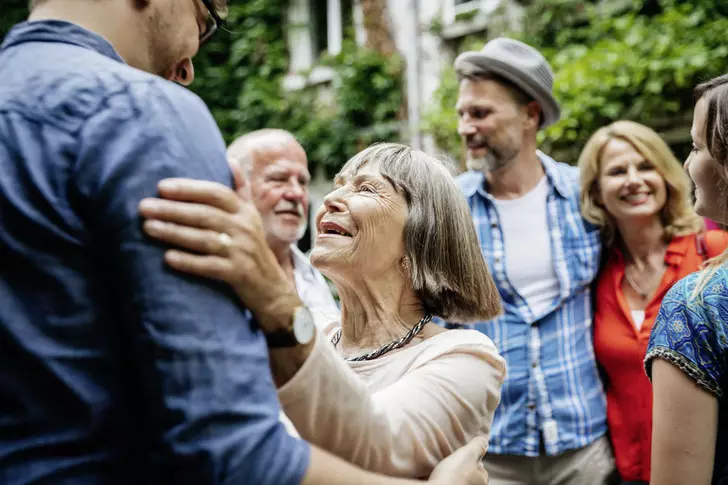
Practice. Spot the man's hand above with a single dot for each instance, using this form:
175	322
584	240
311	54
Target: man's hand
464	467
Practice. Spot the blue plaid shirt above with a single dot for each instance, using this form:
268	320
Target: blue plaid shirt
552	389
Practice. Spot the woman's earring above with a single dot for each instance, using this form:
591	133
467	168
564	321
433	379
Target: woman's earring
404	267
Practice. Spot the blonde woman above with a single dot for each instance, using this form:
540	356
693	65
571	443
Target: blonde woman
633	187
687	356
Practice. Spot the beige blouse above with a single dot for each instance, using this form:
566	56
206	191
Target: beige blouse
401	413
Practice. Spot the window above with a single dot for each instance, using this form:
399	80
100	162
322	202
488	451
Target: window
331	22
319	27
315	28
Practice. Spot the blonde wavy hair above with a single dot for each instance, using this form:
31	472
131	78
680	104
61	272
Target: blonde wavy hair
678	217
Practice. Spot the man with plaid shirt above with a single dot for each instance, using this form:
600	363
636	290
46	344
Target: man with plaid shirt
550	427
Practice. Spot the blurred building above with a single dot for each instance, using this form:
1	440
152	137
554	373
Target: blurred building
426	34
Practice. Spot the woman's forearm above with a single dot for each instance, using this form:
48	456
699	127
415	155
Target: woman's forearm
461	468
327	469
286	362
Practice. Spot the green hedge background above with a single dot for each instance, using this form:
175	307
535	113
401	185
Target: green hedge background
634	59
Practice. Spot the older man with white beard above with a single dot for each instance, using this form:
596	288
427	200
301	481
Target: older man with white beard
277	168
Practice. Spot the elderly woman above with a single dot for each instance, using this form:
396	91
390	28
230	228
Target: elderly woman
633	187
387	390
687	355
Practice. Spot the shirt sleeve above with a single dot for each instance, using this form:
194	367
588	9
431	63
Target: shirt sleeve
447	398
202	386
690	333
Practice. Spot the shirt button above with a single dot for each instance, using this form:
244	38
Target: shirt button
497	260
534	364
493	225
531	407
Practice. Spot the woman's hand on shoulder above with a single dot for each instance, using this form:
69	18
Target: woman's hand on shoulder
220	235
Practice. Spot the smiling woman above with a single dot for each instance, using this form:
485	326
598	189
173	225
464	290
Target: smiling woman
638	193
396	238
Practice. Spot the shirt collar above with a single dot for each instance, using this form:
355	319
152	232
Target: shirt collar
475	181
301	264
61	32
676	250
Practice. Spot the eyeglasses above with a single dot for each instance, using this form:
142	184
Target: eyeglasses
213	22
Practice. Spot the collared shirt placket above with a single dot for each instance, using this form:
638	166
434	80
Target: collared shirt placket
549	363
537	391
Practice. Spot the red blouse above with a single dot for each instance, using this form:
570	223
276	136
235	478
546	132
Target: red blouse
620	349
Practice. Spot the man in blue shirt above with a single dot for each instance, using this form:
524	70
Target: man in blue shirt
550	427
113	368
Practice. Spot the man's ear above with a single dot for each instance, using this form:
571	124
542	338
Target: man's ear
242	185
533	112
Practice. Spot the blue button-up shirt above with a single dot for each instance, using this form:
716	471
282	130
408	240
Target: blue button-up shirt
113	368
552	388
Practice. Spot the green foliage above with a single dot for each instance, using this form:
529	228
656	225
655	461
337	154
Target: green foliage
240	78
13	11
635	60
367	98
239	75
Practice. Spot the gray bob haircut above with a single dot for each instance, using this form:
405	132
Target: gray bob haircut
448	272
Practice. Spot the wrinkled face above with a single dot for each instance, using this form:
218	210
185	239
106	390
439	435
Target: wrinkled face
174	28
705	172
360	226
630	187
279	186
490	124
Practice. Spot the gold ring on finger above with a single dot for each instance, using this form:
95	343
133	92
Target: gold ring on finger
225	240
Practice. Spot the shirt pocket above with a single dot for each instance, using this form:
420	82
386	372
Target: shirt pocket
582	251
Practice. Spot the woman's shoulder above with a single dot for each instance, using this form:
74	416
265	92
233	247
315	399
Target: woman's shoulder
691	328
712	286
463	338
472	344
697	300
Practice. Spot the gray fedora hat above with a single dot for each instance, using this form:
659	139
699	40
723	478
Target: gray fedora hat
521	64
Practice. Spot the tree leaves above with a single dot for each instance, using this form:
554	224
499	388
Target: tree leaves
636	63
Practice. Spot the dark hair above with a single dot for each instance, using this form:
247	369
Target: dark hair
474	72
715	93
521	96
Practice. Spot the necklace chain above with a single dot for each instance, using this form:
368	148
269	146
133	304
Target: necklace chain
642	294
396	344
638	289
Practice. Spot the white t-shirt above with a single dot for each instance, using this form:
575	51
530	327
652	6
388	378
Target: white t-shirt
638	316
529	263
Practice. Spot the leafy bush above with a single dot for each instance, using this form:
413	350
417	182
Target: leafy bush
239	75
635	60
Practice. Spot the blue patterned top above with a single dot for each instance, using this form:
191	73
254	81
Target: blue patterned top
692	334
